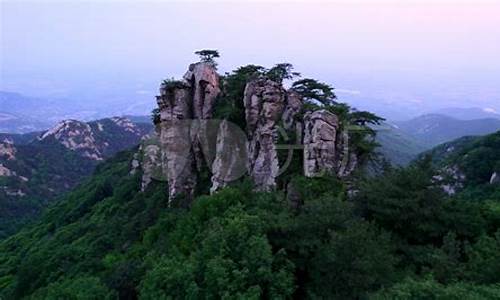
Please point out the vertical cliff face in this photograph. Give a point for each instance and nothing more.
(320, 143)
(175, 105)
(204, 84)
(347, 159)
(185, 106)
(230, 155)
(203, 80)
(294, 103)
(191, 141)
(264, 102)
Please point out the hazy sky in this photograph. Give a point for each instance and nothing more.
(425, 54)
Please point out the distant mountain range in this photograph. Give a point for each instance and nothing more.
(36, 167)
(471, 113)
(403, 141)
(23, 114)
(434, 129)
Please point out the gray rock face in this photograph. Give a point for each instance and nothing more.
(5, 172)
(204, 82)
(175, 111)
(293, 106)
(189, 140)
(320, 137)
(347, 160)
(185, 134)
(7, 150)
(77, 136)
(264, 102)
(495, 178)
(151, 161)
(231, 154)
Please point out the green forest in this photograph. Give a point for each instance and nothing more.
(399, 237)
(392, 233)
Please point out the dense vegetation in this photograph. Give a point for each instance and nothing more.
(477, 157)
(393, 236)
(399, 237)
(45, 169)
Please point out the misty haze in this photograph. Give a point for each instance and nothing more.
(249, 149)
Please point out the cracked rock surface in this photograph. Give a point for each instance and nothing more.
(264, 102)
(320, 142)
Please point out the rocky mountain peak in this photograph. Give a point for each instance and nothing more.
(203, 80)
(191, 98)
(92, 140)
(126, 124)
(189, 139)
(77, 136)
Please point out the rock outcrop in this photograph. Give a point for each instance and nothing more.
(264, 102)
(293, 107)
(149, 159)
(185, 108)
(125, 124)
(96, 140)
(176, 110)
(450, 179)
(191, 141)
(347, 159)
(320, 143)
(231, 155)
(203, 80)
(495, 178)
(5, 172)
(7, 150)
(77, 136)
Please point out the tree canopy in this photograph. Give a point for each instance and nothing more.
(281, 72)
(313, 90)
(208, 55)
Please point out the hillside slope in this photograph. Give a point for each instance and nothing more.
(34, 170)
(475, 159)
(397, 146)
(397, 239)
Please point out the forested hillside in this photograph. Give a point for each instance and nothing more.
(36, 168)
(314, 232)
(399, 237)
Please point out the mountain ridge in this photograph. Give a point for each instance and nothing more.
(35, 168)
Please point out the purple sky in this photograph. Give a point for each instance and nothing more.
(422, 53)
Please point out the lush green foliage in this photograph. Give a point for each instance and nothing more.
(399, 237)
(281, 72)
(313, 90)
